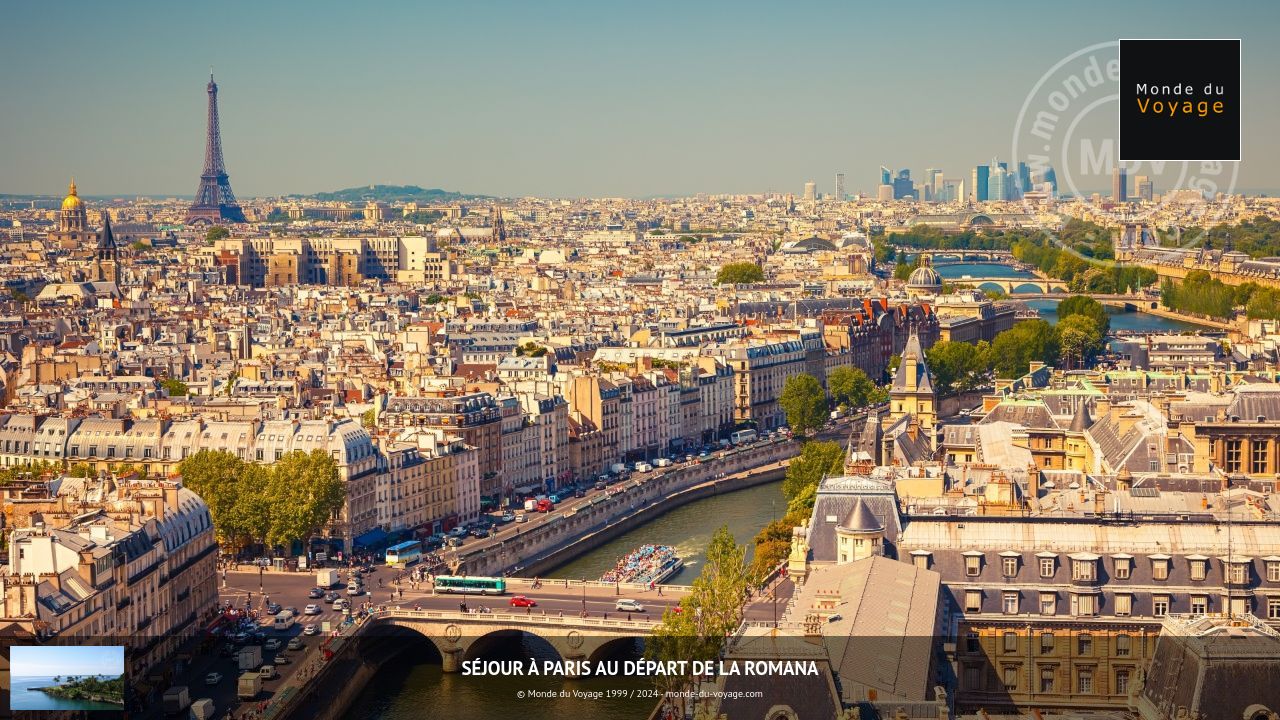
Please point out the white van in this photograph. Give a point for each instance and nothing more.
(354, 588)
(284, 620)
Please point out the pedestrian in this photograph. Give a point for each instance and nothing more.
(628, 617)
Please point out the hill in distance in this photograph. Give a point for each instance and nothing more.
(393, 193)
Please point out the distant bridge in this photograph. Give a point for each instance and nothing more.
(956, 256)
(1021, 287)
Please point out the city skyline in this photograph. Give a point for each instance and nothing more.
(567, 101)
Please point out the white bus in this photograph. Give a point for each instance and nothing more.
(742, 437)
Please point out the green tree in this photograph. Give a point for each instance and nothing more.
(1015, 348)
(711, 611)
(1087, 306)
(224, 482)
(175, 387)
(851, 387)
(815, 461)
(1080, 339)
(369, 419)
(958, 365)
(742, 273)
(804, 402)
(435, 299)
(215, 233)
(304, 491)
(82, 470)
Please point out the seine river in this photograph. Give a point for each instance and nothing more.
(413, 687)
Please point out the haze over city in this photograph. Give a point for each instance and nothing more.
(567, 99)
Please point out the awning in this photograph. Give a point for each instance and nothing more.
(371, 538)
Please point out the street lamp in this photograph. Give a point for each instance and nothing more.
(584, 597)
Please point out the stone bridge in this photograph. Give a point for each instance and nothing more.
(941, 257)
(1014, 286)
(459, 636)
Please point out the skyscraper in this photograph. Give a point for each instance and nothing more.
(981, 178)
(810, 191)
(839, 186)
(886, 177)
(1119, 185)
(998, 184)
(902, 185)
(1051, 177)
(1143, 188)
(1024, 177)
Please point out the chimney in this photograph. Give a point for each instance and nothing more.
(1102, 407)
(85, 568)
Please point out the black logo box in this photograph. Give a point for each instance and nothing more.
(1185, 64)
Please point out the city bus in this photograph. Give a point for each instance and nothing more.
(743, 436)
(471, 585)
(406, 553)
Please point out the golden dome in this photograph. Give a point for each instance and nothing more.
(72, 201)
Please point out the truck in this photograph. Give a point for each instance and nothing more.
(326, 578)
(643, 467)
(544, 505)
(530, 505)
(663, 462)
(617, 468)
(202, 709)
(176, 700)
(249, 686)
(249, 658)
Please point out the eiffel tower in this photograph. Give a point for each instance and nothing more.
(214, 200)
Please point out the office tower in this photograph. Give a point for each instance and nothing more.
(1143, 188)
(884, 193)
(839, 186)
(1024, 178)
(938, 184)
(1051, 177)
(810, 191)
(1119, 189)
(998, 184)
(902, 185)
(981, 178)
(886, 177)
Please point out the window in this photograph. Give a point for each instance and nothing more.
(1160, 569)
(1123, 644)
(1239, 605)
(1238, 573)
(1160, 605)
(1011, 673)
(1199, 568)
(1046, 643)
(1122, 681)
(1123, 566)
(971, 643)
(1233, 455)
(1273, 608)
(1084, 681)
(1083, 605)
(973, 677)
(1273, 571)
(1048, 603)
(1082, 570)
(1124, 605)
(921, 561)
(1010, 603)
(972, 600)
(1046, 680)
(1009, 566)
(1046, 567)
(1199, 604)
(972, 565)
(1084, 644)
(1010, 641)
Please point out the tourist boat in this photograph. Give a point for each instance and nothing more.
(646, 564)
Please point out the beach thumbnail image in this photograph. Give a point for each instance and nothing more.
(66, 677)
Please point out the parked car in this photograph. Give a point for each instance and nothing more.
(330, 597)
(272, 644)
(213, 678)
(273, 608)
(628, 605)
(281, 660)
(522, 601)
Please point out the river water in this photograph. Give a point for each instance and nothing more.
(414, 686)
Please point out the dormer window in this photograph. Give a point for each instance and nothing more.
(1009, 564)
(1160, 567)
(1084, 566)
(1199, 565)
(972, 563)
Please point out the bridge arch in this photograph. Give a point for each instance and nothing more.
(993, 285)
(1026, 287)
(509, 640)
(616, 647)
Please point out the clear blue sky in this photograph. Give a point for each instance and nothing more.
(558, 98)
(51, 660)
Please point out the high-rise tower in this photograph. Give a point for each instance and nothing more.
(214, 200)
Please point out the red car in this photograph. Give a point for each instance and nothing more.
(522, 601)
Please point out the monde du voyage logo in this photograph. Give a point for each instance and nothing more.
(1180, 100)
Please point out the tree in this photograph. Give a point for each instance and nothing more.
(303, 492)
(742, 273)
(369, 419)
(435, 299)
(1079, 338)
(957, 365)
(175, 387)
(804, 402)
(1015, 348)
(850, 387)
(215, 233)
(221, 479)
(711, 611)
(1088, 307)
(815, 461)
